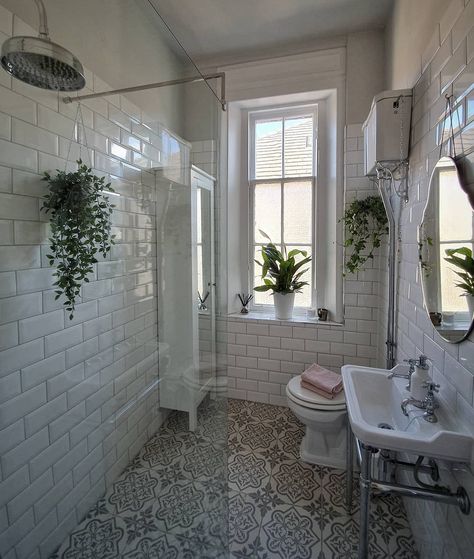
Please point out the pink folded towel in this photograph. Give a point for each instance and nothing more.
(327, 383)
(328, 395)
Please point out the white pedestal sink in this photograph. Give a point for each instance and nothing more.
(373, 399)
(375, 417)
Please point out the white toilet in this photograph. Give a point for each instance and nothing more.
(325, 438)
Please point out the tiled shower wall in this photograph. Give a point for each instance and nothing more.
(263, 355)
(78, 398)
(448, 67)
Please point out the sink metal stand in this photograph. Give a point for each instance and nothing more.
(349, 465)
(367, 483)
(365, 487)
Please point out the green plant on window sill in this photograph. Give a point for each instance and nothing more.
(80, 228)
(280, 271)
(466, 263)
(365, 223)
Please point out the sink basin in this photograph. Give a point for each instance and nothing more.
(374, 400)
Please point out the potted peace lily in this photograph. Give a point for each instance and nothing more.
(282, 274)
(462, 258)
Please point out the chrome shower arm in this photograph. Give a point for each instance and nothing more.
(43, 19)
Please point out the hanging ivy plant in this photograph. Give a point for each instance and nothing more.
(80, 228)
(365, 223)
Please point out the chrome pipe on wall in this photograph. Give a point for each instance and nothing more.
(384, 174)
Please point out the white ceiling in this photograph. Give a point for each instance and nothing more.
(211, 29)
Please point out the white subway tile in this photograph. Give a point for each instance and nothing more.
(67, 421)
(64, 381)
(42, 370)
(25, 451)
(13, 206)
(62, 340)
(82, 312)
(13, 485)
(16, 105)
(20, 356)
(34, 137)
(462, 379)
(45, 414)
(55, 122)
(18, 156)
(10, 386)
(8, 336)
(40, 325)
(44, 505)
(24, 500)
(12, 436)
(30, 232)
(19, 257)
(34, 280)
(5, 126)
(5, 179)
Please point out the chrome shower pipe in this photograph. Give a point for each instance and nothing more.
(43, 19)
(392, 267)
(144, 87)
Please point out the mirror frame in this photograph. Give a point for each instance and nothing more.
(470, 196)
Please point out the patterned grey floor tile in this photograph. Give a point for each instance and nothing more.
(247, 471)
(288, 532)
(244, 523)
(295, 482)
(102, 537)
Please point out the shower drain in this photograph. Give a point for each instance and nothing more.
(385, 426)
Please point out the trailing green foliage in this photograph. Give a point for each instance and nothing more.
(466, 263)
(80, 228)
(280, 271)
(366, 223)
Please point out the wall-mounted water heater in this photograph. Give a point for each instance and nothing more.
(387, 129)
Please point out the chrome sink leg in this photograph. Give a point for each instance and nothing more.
(365, 482)
(349, 466)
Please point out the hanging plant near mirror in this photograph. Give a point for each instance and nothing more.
(365, 222)
(80, 228)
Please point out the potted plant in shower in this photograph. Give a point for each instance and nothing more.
(466, 264)
(80, 223)
(282, 274)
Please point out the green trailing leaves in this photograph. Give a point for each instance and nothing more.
(465, 263)
(80, 228)
(281, 273)
(365, 222)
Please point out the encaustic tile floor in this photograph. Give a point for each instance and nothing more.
(235, 488)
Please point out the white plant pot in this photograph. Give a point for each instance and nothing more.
(284, 303)
(470, 304)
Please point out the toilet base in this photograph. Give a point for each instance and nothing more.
(324, 449)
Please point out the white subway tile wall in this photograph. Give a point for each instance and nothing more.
(63, 381)
(448, 68)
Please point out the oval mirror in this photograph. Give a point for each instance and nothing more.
(445, 241)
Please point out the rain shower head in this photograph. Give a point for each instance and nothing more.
(38, 61)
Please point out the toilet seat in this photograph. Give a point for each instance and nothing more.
(309, 399)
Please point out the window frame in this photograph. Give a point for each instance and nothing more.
(283, 112)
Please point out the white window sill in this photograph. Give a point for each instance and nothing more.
(269, 316)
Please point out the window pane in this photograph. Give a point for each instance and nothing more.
(268, 212)
(452, 300)
(298, 147)
(298, 212)
(264, 298)
(453, 202)
(268, 149)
